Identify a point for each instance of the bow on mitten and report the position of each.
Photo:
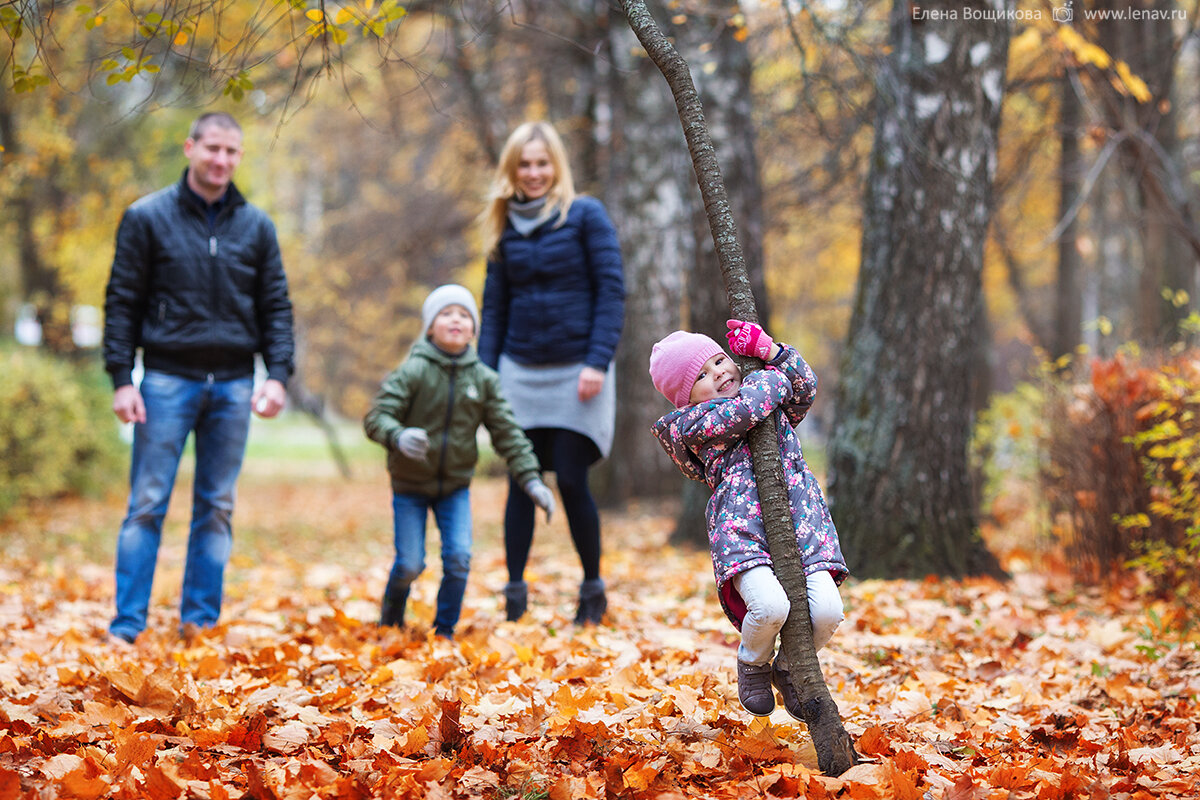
(413, 442)
(749, 339)
(541, 496)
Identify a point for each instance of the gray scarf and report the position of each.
(526, 216)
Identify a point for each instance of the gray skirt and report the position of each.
(547, 396)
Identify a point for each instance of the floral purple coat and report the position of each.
(708, 442)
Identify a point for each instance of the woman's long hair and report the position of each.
(504, 184)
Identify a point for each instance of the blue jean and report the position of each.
(409, 515)
(218, 412)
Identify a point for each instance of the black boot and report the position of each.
(592, 602)
(516, 598)
(394, 602)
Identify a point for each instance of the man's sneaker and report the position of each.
(192, 634)
(754, 688)
(782, 681)
(119, 643)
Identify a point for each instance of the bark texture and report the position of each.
(900, 488)
(1068, 298)
(1152, 181)
(649, 197)
(835, 750)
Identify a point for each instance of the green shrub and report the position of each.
(1170, 457)
(57, 432)
(1121, 475)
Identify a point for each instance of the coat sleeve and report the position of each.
(126, 296)
(494, 314)
(724, 423)
(668, 433)
(508, 440)
(608, 284)
(803, 383)
(389, 409)
(273, 307)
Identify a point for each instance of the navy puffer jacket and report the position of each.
(556, 296)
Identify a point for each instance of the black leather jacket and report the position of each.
(199, 299)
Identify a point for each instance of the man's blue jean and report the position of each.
(409, 515)
(219, 414)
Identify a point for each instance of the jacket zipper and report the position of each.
(212, 259)
(446, 430)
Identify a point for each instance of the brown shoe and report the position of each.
(782, 681)
(754, 688)
(119, 644)
(192, 634)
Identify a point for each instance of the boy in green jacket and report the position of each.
(426, 414)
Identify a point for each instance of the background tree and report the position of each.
(714, 40)
(372, 131)
(899, 485)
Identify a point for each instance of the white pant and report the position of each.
(767, 608)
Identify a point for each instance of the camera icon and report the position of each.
(1063, 13)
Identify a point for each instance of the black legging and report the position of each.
(568, 455)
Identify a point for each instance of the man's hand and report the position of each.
(591, 381)
(269, 399)
(128, 404)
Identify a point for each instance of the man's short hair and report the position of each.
(218, 118)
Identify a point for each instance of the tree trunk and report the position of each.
(1068, 294)
(40, 285)
(900, 487)
(1158, 193)
(835, 750)
(648, 198)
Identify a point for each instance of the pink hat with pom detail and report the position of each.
(676, 361)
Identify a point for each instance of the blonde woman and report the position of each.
(553, 308)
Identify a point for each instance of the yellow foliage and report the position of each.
(1085, 52)
(1133, 84)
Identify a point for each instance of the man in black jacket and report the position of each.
(197, 283)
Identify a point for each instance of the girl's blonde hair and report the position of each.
(504, 184)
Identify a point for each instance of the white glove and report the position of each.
(541, 496)
(413, 442)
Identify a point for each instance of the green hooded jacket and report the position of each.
(449, 397)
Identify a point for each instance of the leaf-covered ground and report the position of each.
(955, 690)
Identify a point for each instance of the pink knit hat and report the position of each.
(676, 361)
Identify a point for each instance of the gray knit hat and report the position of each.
(448, 295)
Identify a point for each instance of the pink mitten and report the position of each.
(748, 339)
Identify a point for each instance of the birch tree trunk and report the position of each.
(648, 195)
(835, 751)
(900, 488)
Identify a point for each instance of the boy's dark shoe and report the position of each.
(782, 681)
(393, 608)
(516, 599)
(754, 688)
(592, 602)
